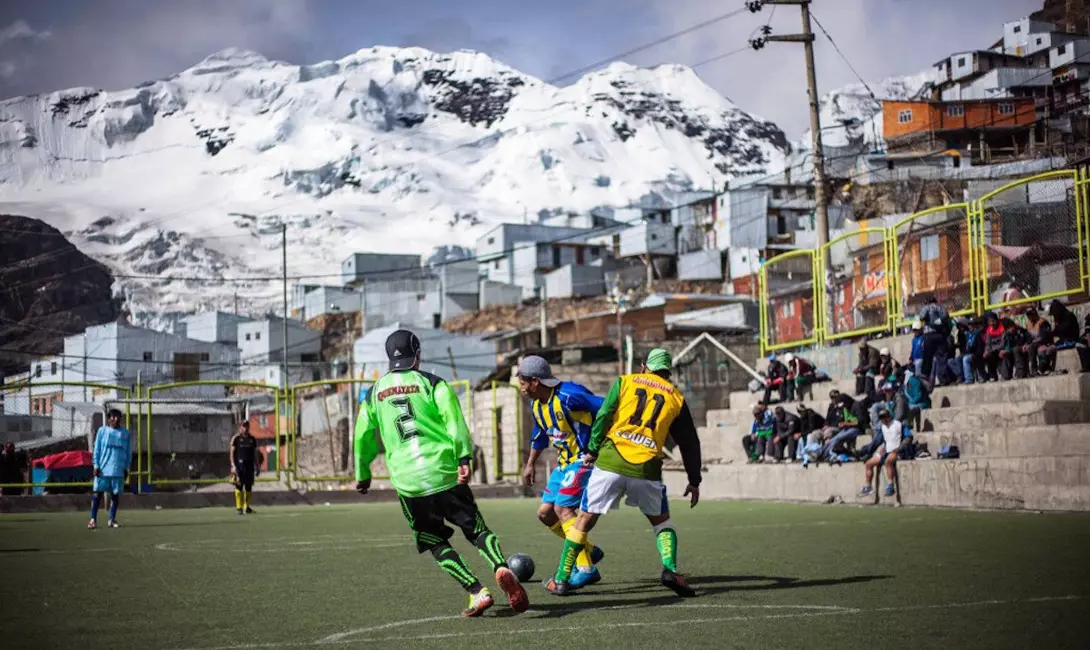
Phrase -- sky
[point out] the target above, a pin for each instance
(48, 45)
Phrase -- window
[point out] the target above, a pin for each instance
(961, 62)
(247, 336)
(257, 336)
(1006, 108)
(197, 424)
(148, 356)
(204, 356)
(955, 110)
(1062, 50)
(187, 366)
(436, 321)
(595, 251)
(263, 421)
(1017, 29)
(556, 256)
(929, 248)
(53, 368)
(496, 264)
(1038, 40)
(905, 116)
(789, 309)
(491, 240)
(308, 357)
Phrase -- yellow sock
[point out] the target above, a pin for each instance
(238, 499)
(246, 498)
(583, 561)
(559, 530)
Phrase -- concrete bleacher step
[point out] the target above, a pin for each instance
(1036, 483)
(1000, 415)
(1048, 440)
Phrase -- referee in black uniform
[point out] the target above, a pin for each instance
(244, 460)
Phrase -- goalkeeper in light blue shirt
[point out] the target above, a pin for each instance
(111, 458)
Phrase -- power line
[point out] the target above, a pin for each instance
(842, 55)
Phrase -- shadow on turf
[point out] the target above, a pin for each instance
(185, 524)
(705, 585)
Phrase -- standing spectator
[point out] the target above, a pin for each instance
(12, 465)
(915, 358)
(800, 374)
(886, 455)
(960, 363)
(852, 419)
(775, 377)
(810, 423)
(1014, 338)
(918, 397)
(993, 346)
(1013, 292)
(786, 436)
(936, 330)
(1038, 341)
(888, 368)
(866, 370)
(1065, 329)
(756, 442)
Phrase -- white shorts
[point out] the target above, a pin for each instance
(605, 489)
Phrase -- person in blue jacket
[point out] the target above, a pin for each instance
(111, 459)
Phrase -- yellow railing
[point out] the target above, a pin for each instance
(949, 252)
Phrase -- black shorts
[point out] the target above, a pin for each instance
(245, 476)
(428, 516)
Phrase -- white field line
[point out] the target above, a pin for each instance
(796, 611)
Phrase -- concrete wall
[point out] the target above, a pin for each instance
(499, 293)
(501, 426)
(324, 300)
(700, 265)
(371, 266)
(213, 327)
(575, 280)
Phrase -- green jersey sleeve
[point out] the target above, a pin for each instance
(366, 439)
(450, 410)
(604, 420)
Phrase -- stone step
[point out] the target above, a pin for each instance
(1034, 483)
(1074, 387)
(1049, 440)
(1006, 415)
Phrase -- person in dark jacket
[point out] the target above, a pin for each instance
(993, 346)
(775, 378)
(936, 330)
(866, 370)
(786, 436)
(1037, 347)
(1014, 339)
(852, 420)
(800, 374)
(13, 464)
(887, 367)
(1065, 329)
(810, 422)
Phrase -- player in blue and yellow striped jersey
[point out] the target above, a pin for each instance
(563, 413)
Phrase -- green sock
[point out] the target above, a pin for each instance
(573, 545)
(666, 539)
(489, 546)
(450, 561)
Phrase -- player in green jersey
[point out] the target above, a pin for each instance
(428, 452)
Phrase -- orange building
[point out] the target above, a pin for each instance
(991, 129)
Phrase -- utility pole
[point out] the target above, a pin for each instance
(284, 277)
(543, 325)
(818, 155)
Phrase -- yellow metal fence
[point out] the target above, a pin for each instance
(1026, 242)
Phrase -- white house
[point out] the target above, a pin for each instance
(213, 327)
(262, 351)
(473, 357)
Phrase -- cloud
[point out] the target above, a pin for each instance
(21, 30)
(119, 43)
(447, 34)
(881, 38)
(8, 69)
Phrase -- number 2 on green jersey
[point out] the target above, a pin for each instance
(406, 420)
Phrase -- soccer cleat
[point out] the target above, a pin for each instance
(92, 525)
(597, 555)
(584, 578)
(113, 523)
(677, 583)
(890, 490)
(240, 511)
(557, 588)
(478, 603)
(249, 510)
(866, 491)
(512, 588)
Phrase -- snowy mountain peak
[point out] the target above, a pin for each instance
(192, 175)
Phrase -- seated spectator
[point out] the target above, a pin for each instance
(757, 442)
(810, 423)
(993, 347)
(852, 419)
(1014, 340)
(893, 400)
(888, 368)
(915, 358)
(1037, 350)
(968, 364)
(886, 455)
(787, 434)
(1065, 329)
(775, 377)
(866, 369)
(800, 374)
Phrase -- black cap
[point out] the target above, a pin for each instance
(402, 348)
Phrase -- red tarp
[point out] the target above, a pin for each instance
(65, 460)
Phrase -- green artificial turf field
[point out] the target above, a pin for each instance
(771, 576)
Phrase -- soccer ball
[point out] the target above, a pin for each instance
(522, 565)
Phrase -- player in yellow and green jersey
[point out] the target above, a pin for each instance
(626, 449)
(428, 451)
(563, 412)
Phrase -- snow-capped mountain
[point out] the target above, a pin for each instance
(388, 149)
